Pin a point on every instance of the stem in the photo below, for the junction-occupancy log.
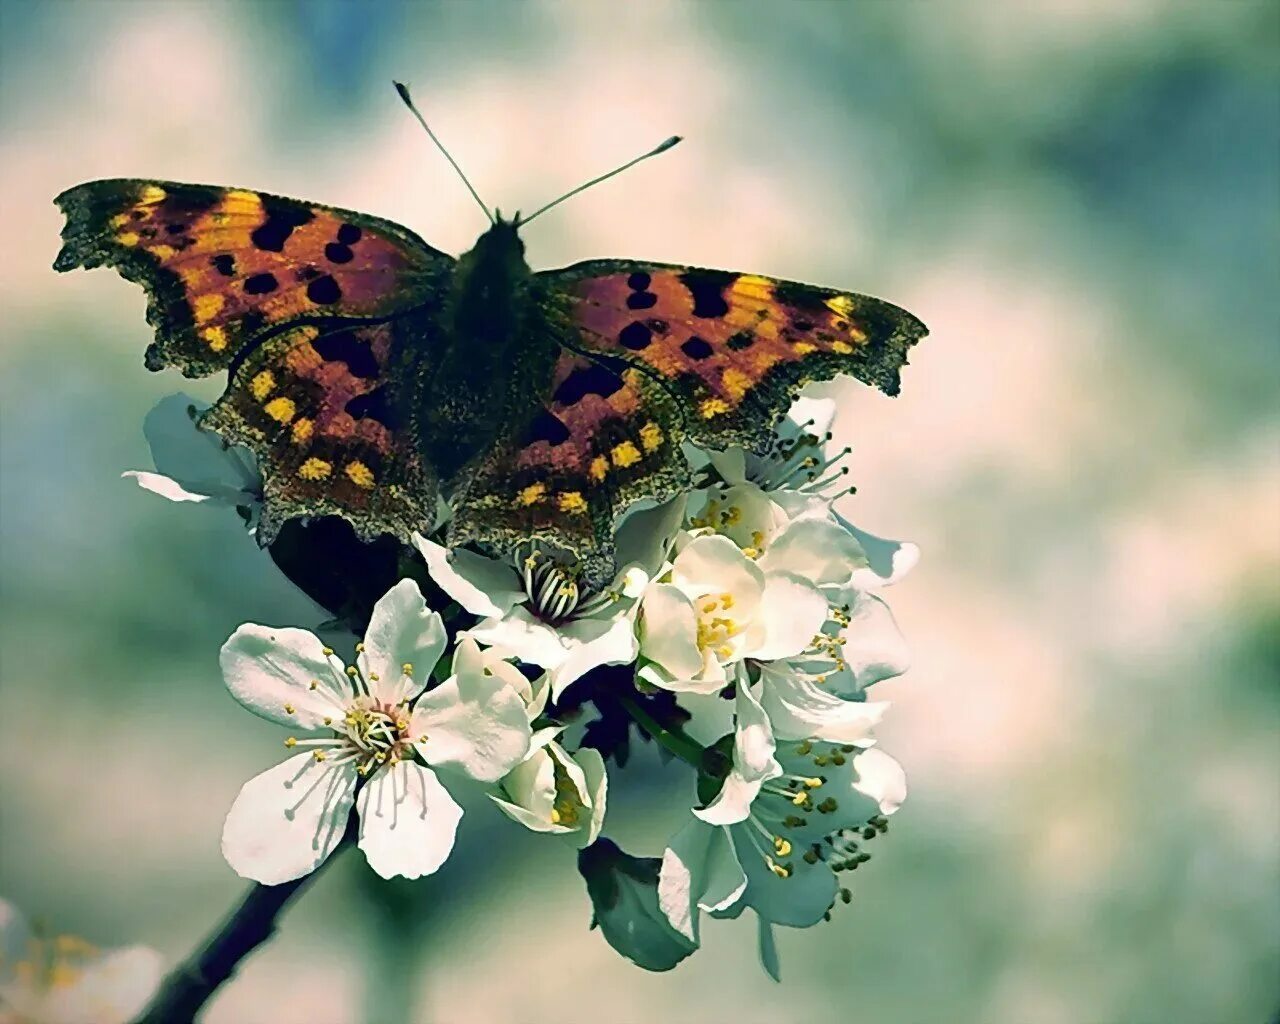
(192, 984)
(677, 743)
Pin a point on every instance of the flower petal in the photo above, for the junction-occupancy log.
(731, 464)
(817, 550)
(700, 870)
(669, 631)
(402, 631)
(408, 821)
(167, 487)
(801, 710)
(287, 820)
(593, 643)
(792, 613)
(644, 536)
(887, 560)
(195, 458)
(523, 635)
(597, 787)
(715, 564)
(712, 716)
(483, 586)
(874, 648)
(797, 901)
(474, 724)
(271, 670)
(880, 778)
(753, 764)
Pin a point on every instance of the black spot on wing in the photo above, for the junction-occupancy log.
(587, 380)
(639, 281)
(376, 405)
(282, 218)
(225, 264)
(260, 284)
(706, 287)
(348, 234)
(641, 300)
(546, 426)
(347, 347)
(740, 341)
(324, 290)
(635, 336)
(336, 252)
(696, 348)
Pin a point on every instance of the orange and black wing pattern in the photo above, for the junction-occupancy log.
(607, 436)
(222, 266)
(732, 348)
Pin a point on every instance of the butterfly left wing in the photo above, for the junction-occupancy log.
(732, 349)
(607, 436)
(222, 267)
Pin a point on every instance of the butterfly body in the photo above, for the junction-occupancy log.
(371, 374)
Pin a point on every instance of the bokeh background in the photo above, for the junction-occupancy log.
(1080, 197)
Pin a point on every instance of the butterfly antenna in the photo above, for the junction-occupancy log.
(403, 90)
(604, 177)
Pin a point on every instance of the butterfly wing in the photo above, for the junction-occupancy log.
(223, 266)
(607, 436)
(731, 348)
(321, 315)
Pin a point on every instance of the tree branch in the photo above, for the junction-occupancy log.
(192, 983)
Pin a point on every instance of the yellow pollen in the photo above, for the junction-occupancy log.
(555, 816)
(328, 720)
(359, 474)
(319, 755)
(327, 652)
(289, 709)
(263, 384)
(651, 436)
(800, 799)
(709, 408)
(302, 430)
(360, 647)
(782, 846)
(291, 742)
(352, 671)
(531, 495)
(572, 501)
(315, 469)
(407, 668)
(625, 454)
(813, 783)
(214, 337)
(280, 409)
(599, 468)
(206, 307)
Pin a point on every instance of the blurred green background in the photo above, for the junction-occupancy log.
(1082, 200)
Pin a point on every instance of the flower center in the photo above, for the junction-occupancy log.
(716, 628)
(54, 963)
(567, 805)
(555, 595)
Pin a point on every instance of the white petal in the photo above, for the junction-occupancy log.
(669, 631)
(733, 803)
(792, 613)
(408, 821)
(182, 451)
(597, 785)
(801, 710)
(712, 716)
(167, 487)
(809, 416)
(714, 564)
(699, 871)
(114, 988)
(753, 764)
(483, 586)
(474, 724)
(731, 464)
(15, 934)
(287, 820)
(526, 637)
(644, 536)
(816, 550)
(874, 648)
(269, 670)
(402, 630)
(798, 901)
(881, 778)
(614, 644)
(887, 560)
(531, 785)
(527, 818)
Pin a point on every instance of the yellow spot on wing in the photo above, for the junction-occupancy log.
(206, 307)
(128, 238)
(215, 338)
(162, 252)
(281, 409)
(572, 501)
(841, 305)
(735, 382)
(651, 436)
(315, 469)
(532, 494)
(599, 468)
(302, 430)
(359, 474)
(239, 197)
(804, 348)
(263, 384)
(152, 194)
(625, 454)
(841, 348)
(711, 407)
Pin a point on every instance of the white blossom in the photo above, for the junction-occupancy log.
(390, 743)
(62, 979)
(556, 792)
(194, 465)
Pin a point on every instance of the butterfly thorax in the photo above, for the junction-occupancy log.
(495, 357)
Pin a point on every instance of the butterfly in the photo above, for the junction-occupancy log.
(372, 374)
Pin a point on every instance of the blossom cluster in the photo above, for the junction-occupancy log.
(743, 632)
